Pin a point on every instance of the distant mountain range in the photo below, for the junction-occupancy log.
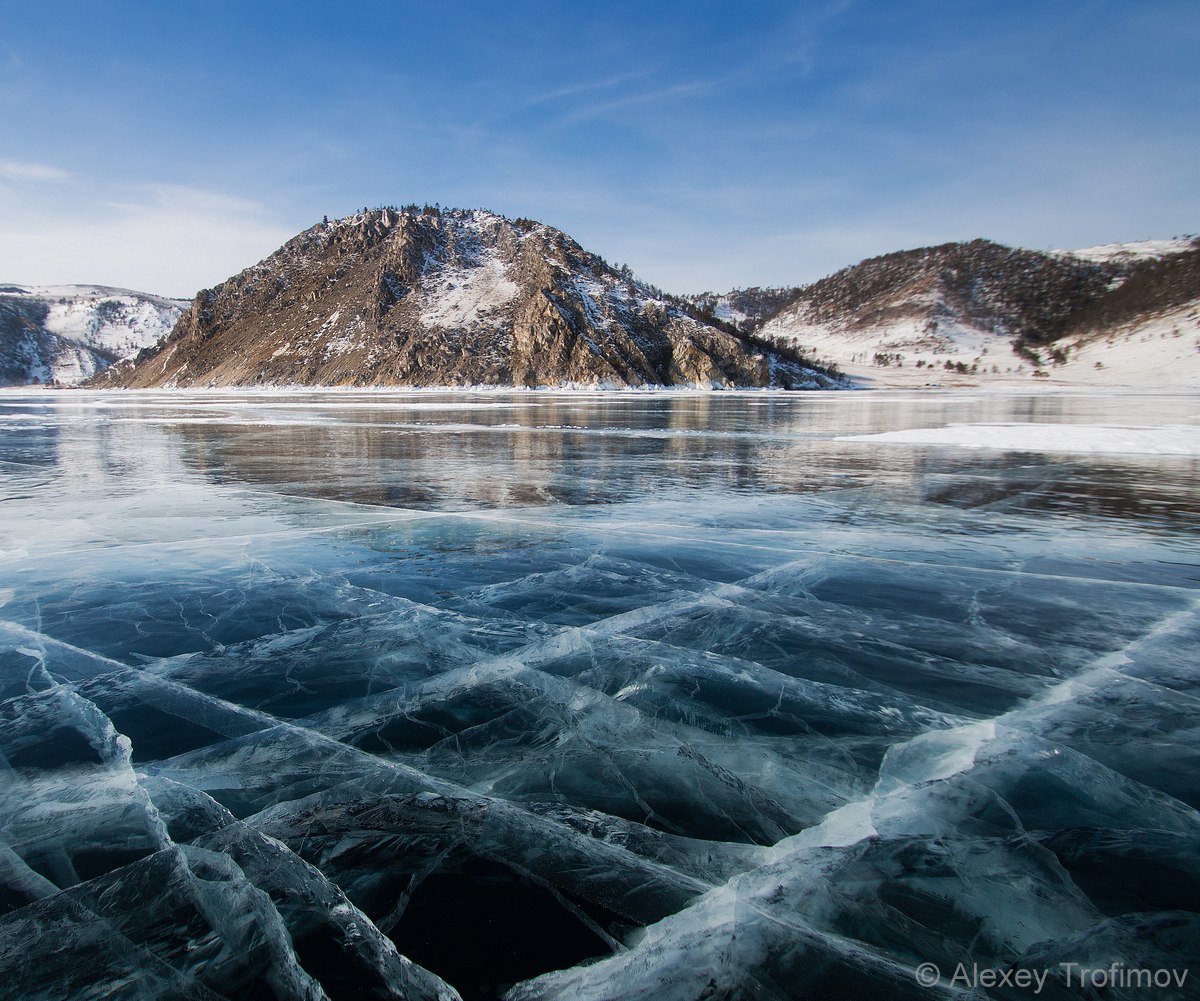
(64, 334)
(433, 297)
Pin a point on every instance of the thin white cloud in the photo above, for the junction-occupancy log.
(797, 49)
(181, 200)
(163, 238)
(662, 95)
(589, 87)
(19, 170)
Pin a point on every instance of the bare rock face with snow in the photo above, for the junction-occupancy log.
(976, 312)
(428, 297)
(64, 334)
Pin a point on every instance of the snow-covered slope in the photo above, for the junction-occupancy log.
(67, 333)
(456, 297)
(977, 313)
(1159, 351)
(1124, 253)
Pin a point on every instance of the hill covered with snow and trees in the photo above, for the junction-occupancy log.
(422, 296)
(64, 334)
(978, 312)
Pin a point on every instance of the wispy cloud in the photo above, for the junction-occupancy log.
(771, 143)
(795, 50)
(661, 95)
(19, 170)
(587, 87)
(165, 238)
(180, 200)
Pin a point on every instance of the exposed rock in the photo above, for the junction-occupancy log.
(446, 298)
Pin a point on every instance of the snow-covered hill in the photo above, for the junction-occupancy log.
(457, 297)
(65, 334)
(433, 297)
(978, 313)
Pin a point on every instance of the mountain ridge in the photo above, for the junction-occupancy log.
(425, 296)
(447, 297)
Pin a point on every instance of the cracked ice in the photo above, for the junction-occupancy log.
(589, 696)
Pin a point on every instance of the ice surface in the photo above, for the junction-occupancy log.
(583, 696)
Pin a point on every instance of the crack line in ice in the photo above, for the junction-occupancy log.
(148, 962)
(402, 514)
(46, 640)
(846, 826)
(651, 529)
(48, 469)
(285, 973)
(888, 560)
(372, 764)
(853, 820)
(17, 873)
(387, 924)
(1111, 662)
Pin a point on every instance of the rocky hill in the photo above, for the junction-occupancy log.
(64, 334)
(431, 297)
(970, 312)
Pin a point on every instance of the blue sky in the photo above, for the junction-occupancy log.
(167, 145)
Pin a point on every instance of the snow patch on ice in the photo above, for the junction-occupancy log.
(1176, 439)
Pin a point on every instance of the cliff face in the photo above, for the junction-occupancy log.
(444, 298)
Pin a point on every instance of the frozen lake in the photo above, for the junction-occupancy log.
(676, 695)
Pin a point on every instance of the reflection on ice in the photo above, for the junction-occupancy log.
(546, 696)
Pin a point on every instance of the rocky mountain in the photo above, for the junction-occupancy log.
(979, 311)
(431, 297)
(64, 334)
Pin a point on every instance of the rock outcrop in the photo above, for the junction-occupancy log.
(430, 297)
